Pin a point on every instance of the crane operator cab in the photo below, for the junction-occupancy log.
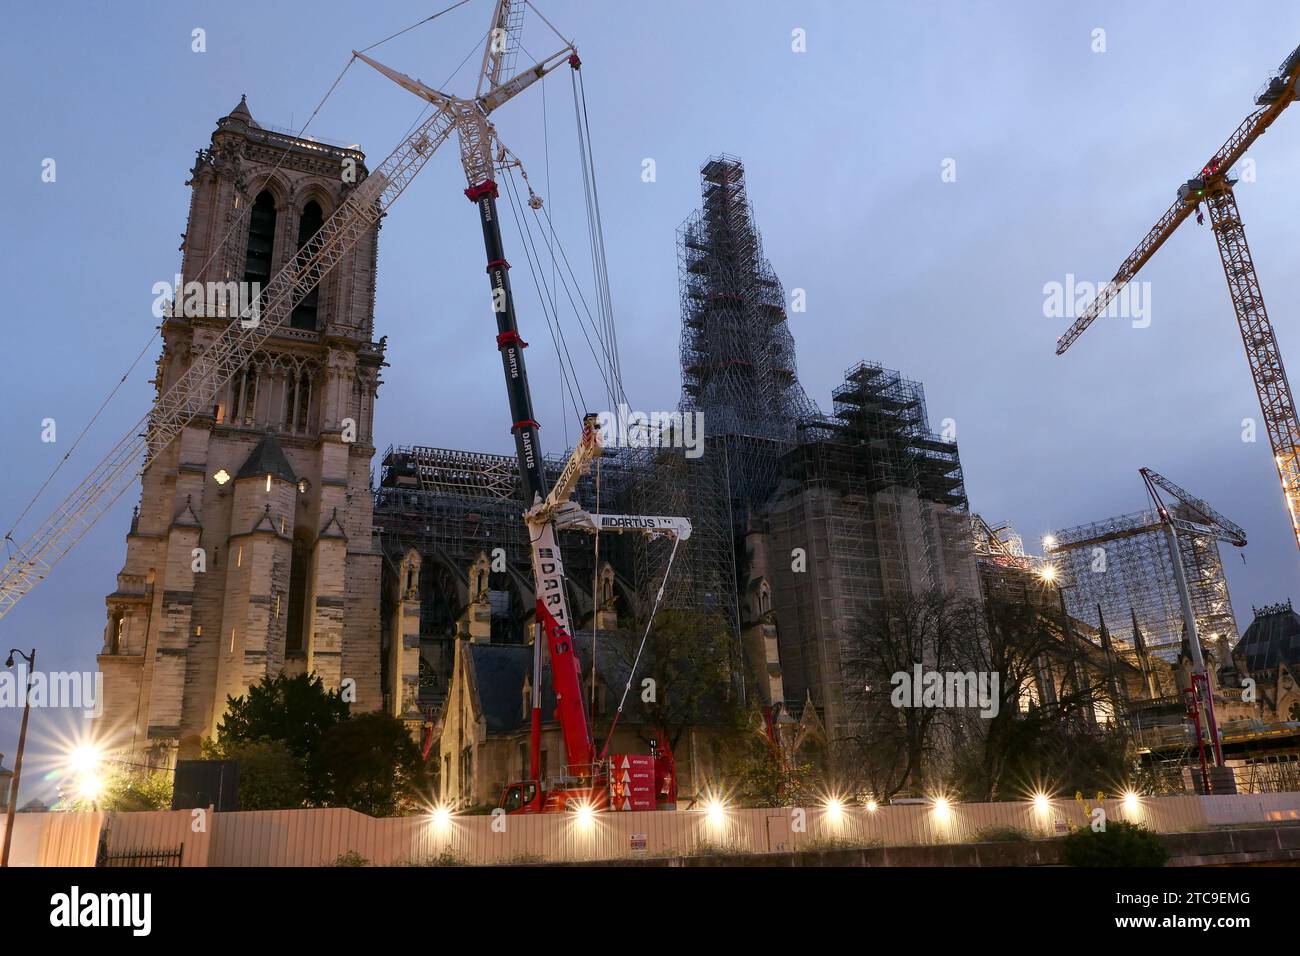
(518, 796)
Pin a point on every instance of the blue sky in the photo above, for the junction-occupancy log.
(1064, 158)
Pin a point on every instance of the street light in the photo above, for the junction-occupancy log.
(18, 759)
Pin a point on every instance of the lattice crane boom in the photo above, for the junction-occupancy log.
(1213, 523)
(194, 392)
(1213, 185)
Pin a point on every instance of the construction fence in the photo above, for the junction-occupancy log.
(344, 837)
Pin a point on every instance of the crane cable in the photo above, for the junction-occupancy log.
(218, 248)
(644, 637)
(596, 229)
(568, 371)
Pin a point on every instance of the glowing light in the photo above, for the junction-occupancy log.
(221, 477)
(717, 812)
(1132, 802)
(1047, 573)
(872, 806)
(85, 763)
(942, 809)
(586, 816)
(1042, 803)
(1049, 542)
(442, 817)
(834, 810)
(85, 759)
(89, 787)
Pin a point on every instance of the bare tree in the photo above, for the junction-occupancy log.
(1054, 682)
(890, 748)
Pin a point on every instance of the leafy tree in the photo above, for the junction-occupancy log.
(297, 710)
(270, 777)
(129, 790)
(370, 764)
(760, 774)
(686, 656)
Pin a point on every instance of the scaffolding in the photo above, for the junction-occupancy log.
(738, 371)
(1121, 569)
(737, 353)
(877, 502)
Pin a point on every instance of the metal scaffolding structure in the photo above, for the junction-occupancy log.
(458, 503)
(738, 371)
(737, 353)
(1123, 566)
(877, 501)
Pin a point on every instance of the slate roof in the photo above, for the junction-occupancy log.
(267, 459)
(1272, 638)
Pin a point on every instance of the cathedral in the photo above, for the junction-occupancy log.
(260, 546)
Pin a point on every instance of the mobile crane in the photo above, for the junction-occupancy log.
(604, 781)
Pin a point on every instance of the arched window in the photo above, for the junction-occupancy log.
(297, 401)
(261, 239)
(298, 574)
(304, 315)
(244, 395)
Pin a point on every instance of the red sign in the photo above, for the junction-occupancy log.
(632, 782)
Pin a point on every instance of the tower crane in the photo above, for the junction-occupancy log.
(1196, 518)
(1213, 185)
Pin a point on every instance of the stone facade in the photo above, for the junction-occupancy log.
(251, 550)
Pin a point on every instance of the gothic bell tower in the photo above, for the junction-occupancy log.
(250, 553)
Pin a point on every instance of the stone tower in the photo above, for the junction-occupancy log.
(250, 553)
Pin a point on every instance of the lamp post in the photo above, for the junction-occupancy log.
(18, 758)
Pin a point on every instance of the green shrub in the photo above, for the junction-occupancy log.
(1120, 844)
(350, 858)
(996, 834)
(840, 843)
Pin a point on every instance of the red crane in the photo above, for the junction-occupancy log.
(1213, 186)
(589, 780)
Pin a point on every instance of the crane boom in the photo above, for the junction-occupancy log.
(1278, 94)
(193, 393)
(1162, 230)
(1213, 185)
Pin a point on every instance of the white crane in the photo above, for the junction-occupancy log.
(30, 561)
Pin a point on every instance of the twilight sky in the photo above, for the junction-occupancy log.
(1064, 157)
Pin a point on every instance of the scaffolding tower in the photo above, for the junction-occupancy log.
(738, 372)
(877, 500)
(1121, 569)
(737, 353)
